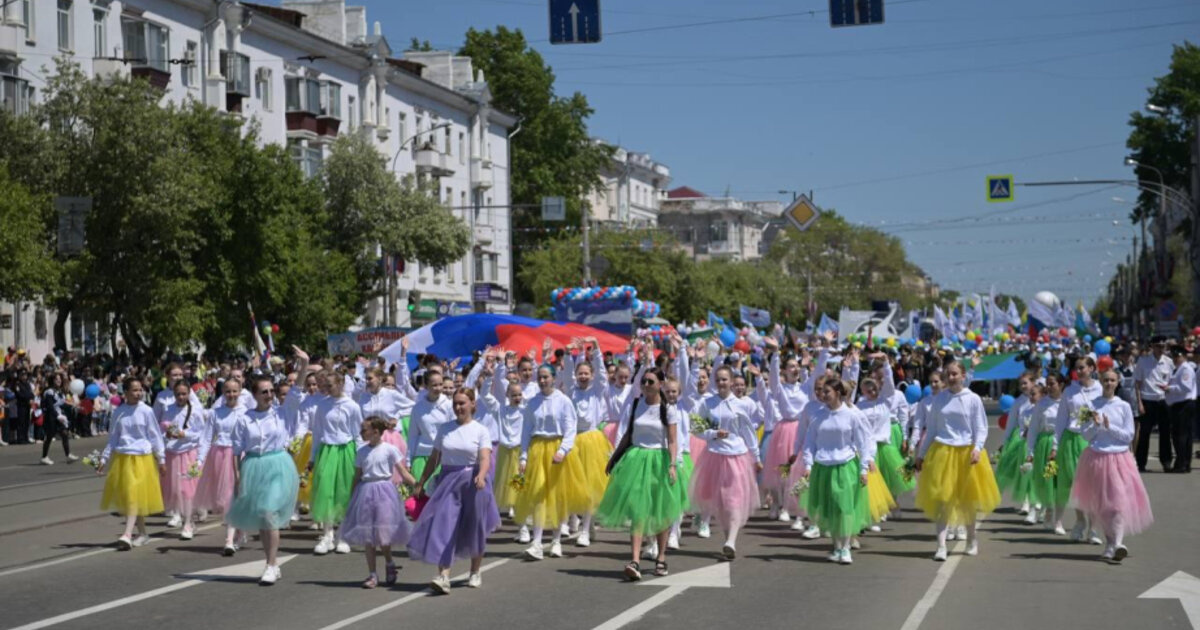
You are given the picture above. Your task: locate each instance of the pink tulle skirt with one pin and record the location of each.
(217, 481)
(1109, 488)
(697, 446)
(179, 490)
(723, 486)
(610, 432)
(779, 449)
(393, 437)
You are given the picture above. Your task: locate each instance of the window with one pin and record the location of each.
(15, 95)
(302, 95)
(188, 72)
(417, 141)
(462, 149)
(448, 150)
(718, 232)
(30, 19)
(306, 156)
(462, 201)
(99, 32)
(352, 106)
(65, 28)
(146, 44)
(487, 267)
(331, 100)
(262, 88)
(462, 278)
(449, 197)
(236, 68)
(402, 127)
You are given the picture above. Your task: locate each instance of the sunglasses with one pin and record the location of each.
(649, 381)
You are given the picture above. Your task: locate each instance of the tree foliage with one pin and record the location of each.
(29, 270)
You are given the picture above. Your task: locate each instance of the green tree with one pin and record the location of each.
(29, 270)
(553, 155)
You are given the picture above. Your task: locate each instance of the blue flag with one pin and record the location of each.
(754, 317)
(716, 322)
(827, 325)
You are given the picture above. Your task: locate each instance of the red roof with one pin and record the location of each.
(683, 192)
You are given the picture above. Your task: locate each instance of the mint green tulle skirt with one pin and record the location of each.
(640, 493)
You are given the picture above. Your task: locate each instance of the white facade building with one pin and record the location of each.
(718, 227)
(306, 71)
(633, 185)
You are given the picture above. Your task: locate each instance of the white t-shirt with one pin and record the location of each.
(1154, 375)
(648, 429)
(377, 462)
(460, 443)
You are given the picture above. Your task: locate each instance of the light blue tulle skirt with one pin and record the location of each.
(266, 493)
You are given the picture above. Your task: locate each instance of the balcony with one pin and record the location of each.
(484, 234)
(109, 68)
(481, 173)
(11, 38)
(158, 78)
(430, 161)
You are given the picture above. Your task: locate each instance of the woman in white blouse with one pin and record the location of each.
(1039, 446)
(589, 392)
(1069, 444)
(389, 404)
(547, 438)
(956, 483)
(336, 430)
(267, 479)
(135, 450)
(188, 440)
(836, 452)
(460, 514)
(1107, 484)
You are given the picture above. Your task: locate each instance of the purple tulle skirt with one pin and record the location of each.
(457, 520)
(375, 516)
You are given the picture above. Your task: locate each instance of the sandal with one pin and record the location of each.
(371, 582)
(633, 571)
(660, 568)
(390, 575)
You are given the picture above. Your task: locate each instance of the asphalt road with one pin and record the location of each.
(58, 568)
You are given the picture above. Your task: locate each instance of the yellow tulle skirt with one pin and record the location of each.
(132, 486)
(586, 463)
(546, 485)
(508, 461)
(951, 490)
(879, 499)
(301, 458)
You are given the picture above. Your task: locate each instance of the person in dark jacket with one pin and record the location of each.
(54, 419)
(23, 390)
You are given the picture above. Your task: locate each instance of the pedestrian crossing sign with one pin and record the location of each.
(1000, 188)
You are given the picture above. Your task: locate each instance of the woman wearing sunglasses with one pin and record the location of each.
(644, 488)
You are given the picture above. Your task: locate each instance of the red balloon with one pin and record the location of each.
(1003, 420)
(1196, 331)
(1104, 363)
(275, 329)
(741, 345)
(1062, 332)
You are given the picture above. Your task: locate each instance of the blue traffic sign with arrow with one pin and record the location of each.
(574, 21)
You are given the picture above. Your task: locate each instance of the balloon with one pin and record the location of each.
(1087, 339)
(275, 328)
(728, 337)
(891, 342)
(77, 387)
(713, 348)
(912, 394)
(969, 345)
(927, 392)
(1006, 403)
(741, 345)
(1072, 333)
(1102, 348)
(115, 401)
(92, 391)
(1003, 421)
(1104, 363)
(1062, 332)
(1196, 331)
(1108, 339)
(754, 338)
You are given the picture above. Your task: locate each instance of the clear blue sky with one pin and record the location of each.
(895, 126)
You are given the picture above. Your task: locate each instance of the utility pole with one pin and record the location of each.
(391, 320)
(1194, 243)
(587, 248)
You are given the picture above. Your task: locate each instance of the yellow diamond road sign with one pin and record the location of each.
(801, 213)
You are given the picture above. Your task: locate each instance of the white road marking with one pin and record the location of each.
(88, 554)
(403, 600)
(714, 576)
(940, 581)
(245, 570)
(1181, 586)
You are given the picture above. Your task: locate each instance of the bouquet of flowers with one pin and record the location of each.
(204, 395)
(698, 424)
(305, 479)
(294, 446)
(1051, 470)
(908, 470)
(517, 483)
(193, 471)
(1084, 415)
(785, 470)
(404, 491)
(799, 487)
(92, 459)
(174, 432)
(1026, 468)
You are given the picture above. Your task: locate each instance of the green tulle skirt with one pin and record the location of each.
(640, 493)
(332, 482)
(1070, 447)
(685, 477)
(890, 463)
(897, 437)
(1008, 470)
(1041, 489)
(836, 499)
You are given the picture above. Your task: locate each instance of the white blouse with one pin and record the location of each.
(377, 462)
(135, 431)
(790, 397)
(1118, 435)
(260, 432)
(728, 414)
(1074, 398)
(648, 430)
(460, 443)
(836, 436)
(549, 416)
(196, 437)
(388, 404)
(423, 425)
(956, 420)
(222, 421)
(337, 421)
(878, 413)
(1041, 421)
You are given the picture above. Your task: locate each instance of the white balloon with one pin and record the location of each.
(712, 348)
(1047, 299)
(77, 387)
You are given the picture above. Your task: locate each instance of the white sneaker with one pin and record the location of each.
(1058, 529)
(229, 550)
(475, 580)
(141, 541)
(534, 551)
(854, 544)
(951, 533)
(565, 530)
(72, 458)
(845, 558)
(797, 525)
(1094, 539)
(729, 551)
(672, 541)
(46, 461)
(703, 531)
(875, 529)
(834, 555)
(441, 584)
(650, 550)
(201, 516)
(175, 521)
(940, 554)
(1109, 551)
(124, 543)
(295, 517)
(1031, 519)
(342, 547)
(973, 548)
(584, 540)
(812, 533)
(574, 523)
(784, 516)
(324, 546)
(1120, 554)
(523, 535)
(187, 534)
(1077, 533)
(268, 577)
(556, 549)
(962, 532)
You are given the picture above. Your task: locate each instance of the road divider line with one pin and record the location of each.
(637, 612)
(940, 581)
(17, 486)
(88, 554)
(404, 600)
